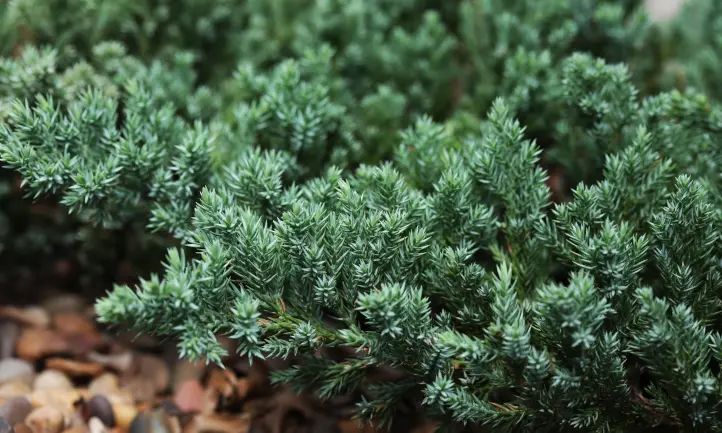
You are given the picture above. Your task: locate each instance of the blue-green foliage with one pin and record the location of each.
(489, 201)
(458, 286)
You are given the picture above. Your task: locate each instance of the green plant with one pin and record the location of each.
(503, 311)
(343, 200)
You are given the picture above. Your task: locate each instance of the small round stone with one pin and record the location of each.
(46, 419)
(15, 410)
(99, 407)
(52, 379)
(9, 334)
(15, 370)
(156, 421)
(5, 427)
(95, 425)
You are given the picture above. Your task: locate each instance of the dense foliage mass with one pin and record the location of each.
(513, 209)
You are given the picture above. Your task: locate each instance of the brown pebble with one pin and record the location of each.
(75, 368)
(99, 407)
(124, 415)
(243, 386)
(22, 428)
(46, 419)
(79, 331)
(154, 370)
(224, 382)
(15, 410)
(36, 343)
(150, 376)
(52, 379)
(221, 423)
(189, 397)
(73, 323)
(29, 316)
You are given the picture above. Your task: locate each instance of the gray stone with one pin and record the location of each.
(99, 407)
(5, 427)
(13, 369)
(15, 410)
(156, 421)
(9, 333)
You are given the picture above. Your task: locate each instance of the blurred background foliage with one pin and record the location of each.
(377, 66)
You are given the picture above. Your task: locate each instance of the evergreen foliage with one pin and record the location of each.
(508, 207)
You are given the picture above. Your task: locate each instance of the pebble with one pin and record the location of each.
(59, 398)
(106, 383)
(15, 370)
(30, 316)
(124, 415)
(81, 344)
(221, 423)
(224, 382)
(36, 343)
(73, 323)
(46, 419)
(95, 425)
(243, 387)
(154, 370)
(22, 428)
(156, 421)
(75, 420)
(5, 427)
(149, 377)
(186, 370)
(14, 389)
(117, 361)
(9, 333)
(15, 410)
(189, 397)
(75, 368)
(140, 389)
(100, 408)
(52, 379)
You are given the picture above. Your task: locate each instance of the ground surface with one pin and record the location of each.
(60, 373)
